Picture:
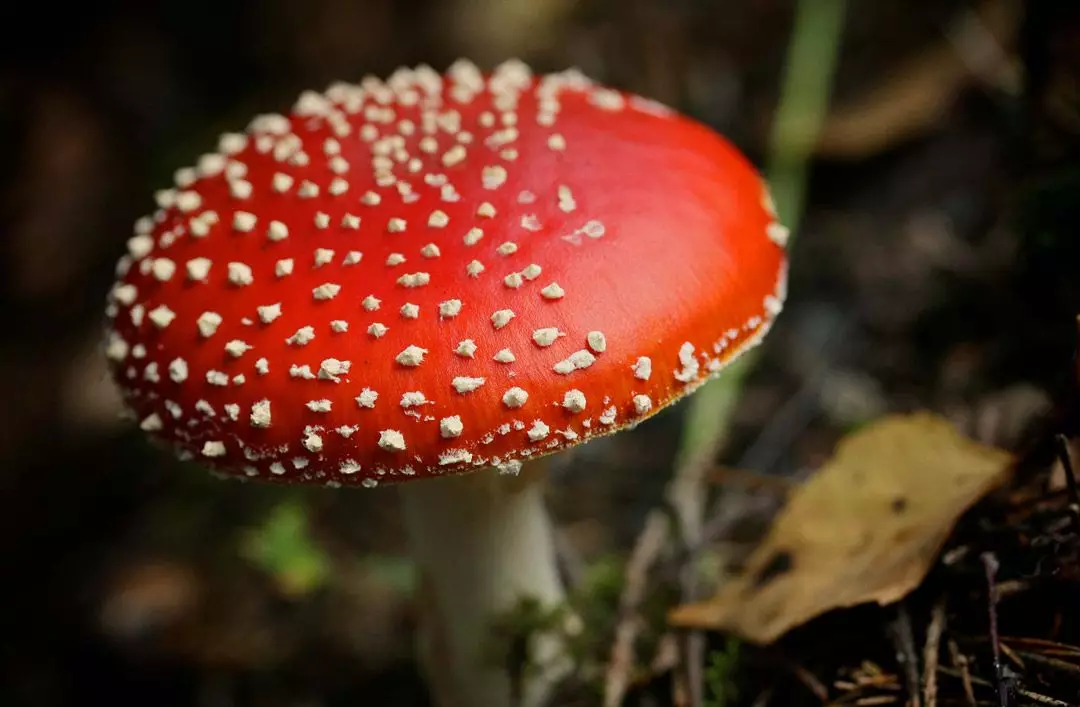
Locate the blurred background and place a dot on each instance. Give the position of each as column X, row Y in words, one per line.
column 935, row 266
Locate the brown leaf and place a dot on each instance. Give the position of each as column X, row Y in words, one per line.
column 866, row 527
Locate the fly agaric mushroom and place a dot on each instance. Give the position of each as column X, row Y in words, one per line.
column 444, row 276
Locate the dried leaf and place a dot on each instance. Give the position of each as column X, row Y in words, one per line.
column 866, row 527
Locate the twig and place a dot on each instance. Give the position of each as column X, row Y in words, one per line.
column 1070, row 479
column 750, row 481
column 982, row 39
column 693, row 649
column 930, row 653
column 778, row 433
column 1045, row 645
column 679, row 695
column 763, row 699
column 666, row 656
column 786, row 423
column 1027, row 694
column 810, row 681
column 1044, row 700
column 961, row 663
column 732, row 507
column 1049, row 662
column 685, row 495
column 990, row 564
column 905, row 653
column 1011, row 655
column 647, row 549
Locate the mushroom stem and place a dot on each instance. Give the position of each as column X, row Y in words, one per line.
column 483, row 543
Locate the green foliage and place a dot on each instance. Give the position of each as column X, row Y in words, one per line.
column 583, row 625
column 597, row 596
column 283, row 547
column 721, row 689
column 393, row 571
column 595, row 604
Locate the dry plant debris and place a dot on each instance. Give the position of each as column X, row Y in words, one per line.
column 866, row 527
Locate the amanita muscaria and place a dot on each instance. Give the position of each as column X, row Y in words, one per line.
column 444, row 276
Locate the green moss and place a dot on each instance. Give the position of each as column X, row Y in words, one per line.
column 282, row 546
column 721, row 688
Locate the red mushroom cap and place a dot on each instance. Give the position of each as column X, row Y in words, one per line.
column 437, row 273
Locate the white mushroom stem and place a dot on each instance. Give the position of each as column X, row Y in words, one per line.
column 483, row 542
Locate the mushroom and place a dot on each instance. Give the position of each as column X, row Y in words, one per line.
column 444, row 276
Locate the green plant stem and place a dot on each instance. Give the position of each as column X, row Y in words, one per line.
column 807, row 83
column 804, row 98
column 804, row 103
column 802, row 109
